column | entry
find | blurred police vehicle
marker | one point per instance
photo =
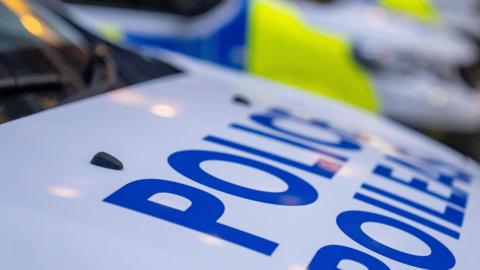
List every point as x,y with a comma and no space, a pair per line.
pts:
349,50
463,15
143,163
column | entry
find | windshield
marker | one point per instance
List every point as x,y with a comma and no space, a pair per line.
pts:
46,61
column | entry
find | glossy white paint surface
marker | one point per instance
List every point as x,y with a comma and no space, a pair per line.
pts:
53,216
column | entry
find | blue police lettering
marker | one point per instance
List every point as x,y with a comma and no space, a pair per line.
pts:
388,207
188,162
457,196
433,164
329,258
288,141
206,209
426,171
448,169
450,214
202,215
321,167
440,257
269,120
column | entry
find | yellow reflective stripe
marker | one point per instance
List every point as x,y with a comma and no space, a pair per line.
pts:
284,48
420,9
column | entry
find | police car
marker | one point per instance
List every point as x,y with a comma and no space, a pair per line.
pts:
388,64
142,163
462,15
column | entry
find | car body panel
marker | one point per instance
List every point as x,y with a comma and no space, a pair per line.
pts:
52,200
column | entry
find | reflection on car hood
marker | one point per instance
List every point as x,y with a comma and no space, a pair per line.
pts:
289,167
